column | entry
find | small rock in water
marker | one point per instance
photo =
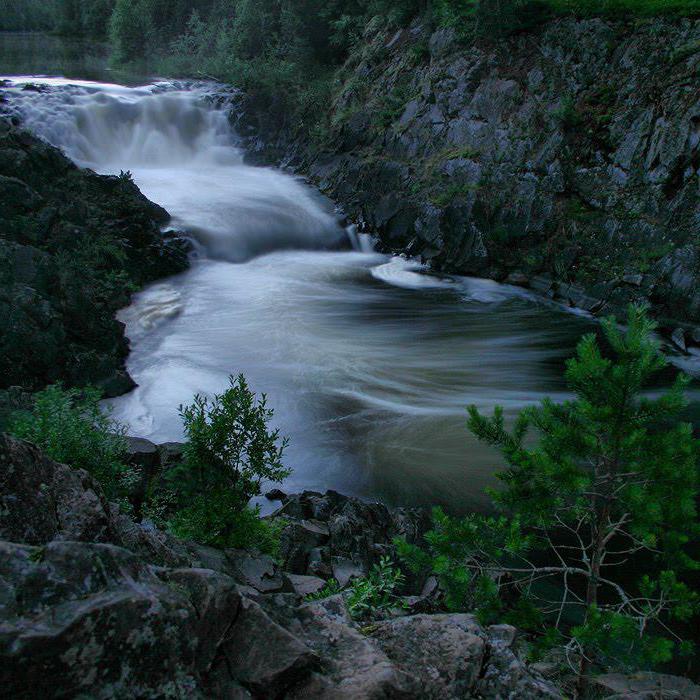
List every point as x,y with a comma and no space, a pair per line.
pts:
519,279
678,339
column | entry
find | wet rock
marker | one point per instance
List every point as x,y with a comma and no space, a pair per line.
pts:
678,339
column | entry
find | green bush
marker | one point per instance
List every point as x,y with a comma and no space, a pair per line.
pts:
331,588
377,592
229,453
70,427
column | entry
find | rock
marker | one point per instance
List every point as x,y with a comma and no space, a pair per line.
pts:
634,279
297,541
305,585
142,614
354,666
344,570
91,619
276,495
644,686
42,500
457,651
51,208
170,454
145,457
452,656
259,572
143,453
264,657
678,339
518,278
217,601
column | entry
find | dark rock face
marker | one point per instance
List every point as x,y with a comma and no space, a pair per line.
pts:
334,535
74,245
571,151
95,605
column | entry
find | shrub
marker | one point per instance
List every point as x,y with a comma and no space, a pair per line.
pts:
230,452
331,588
376,593
70,427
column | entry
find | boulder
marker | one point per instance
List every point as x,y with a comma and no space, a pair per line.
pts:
265,657
42,500
643,686
91,619
305,585
259,572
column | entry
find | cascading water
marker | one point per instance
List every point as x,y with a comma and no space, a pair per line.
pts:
368,362
179,146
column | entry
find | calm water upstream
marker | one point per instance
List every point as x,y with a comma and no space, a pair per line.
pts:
368,362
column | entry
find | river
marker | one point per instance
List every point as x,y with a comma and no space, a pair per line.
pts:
368,361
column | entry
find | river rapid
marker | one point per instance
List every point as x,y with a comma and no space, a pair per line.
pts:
368,361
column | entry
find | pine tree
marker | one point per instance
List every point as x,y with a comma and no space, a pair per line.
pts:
612,481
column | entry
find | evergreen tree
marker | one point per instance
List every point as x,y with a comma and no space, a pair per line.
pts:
611,481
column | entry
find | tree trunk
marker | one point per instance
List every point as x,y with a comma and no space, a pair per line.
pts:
592,592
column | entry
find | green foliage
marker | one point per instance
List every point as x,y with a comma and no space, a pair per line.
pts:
81,18
219,520
27,15
331,588
612,477
230,452
70,427
568,114
377,592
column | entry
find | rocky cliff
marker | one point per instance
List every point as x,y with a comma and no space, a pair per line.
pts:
74,246
565,158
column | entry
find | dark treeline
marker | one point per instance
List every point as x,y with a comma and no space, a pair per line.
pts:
81,18
27,15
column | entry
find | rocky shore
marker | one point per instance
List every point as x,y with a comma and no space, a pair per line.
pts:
95,604
74,246
564,158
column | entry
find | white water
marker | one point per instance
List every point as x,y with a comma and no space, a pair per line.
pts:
368,362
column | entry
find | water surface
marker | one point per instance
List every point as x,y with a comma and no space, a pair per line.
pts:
368,362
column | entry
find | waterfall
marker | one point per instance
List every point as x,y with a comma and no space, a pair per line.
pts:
178,144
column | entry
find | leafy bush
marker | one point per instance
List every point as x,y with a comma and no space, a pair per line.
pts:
230,452
376,593
613,478
331,588
70,427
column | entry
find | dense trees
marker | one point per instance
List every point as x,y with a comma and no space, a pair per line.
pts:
29,15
